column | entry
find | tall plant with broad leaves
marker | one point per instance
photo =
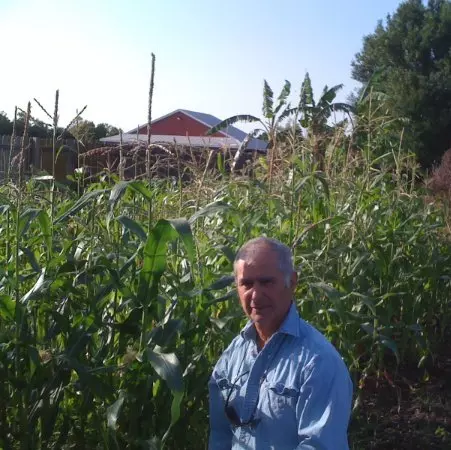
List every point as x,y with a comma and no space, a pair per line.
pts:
314,116
269,124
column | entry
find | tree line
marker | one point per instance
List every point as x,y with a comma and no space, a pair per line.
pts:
85,131
405,64
404,71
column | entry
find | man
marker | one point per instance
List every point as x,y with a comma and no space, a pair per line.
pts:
280,384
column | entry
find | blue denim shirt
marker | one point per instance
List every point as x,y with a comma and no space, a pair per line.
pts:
297,388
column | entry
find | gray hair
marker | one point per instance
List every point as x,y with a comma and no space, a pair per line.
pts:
285,258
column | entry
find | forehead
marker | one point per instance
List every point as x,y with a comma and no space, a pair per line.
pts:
264,262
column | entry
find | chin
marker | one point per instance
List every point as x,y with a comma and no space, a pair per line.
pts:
260,319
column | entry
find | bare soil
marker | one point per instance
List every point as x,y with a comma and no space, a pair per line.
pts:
410,410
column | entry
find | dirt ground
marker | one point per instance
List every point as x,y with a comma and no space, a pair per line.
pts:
409,410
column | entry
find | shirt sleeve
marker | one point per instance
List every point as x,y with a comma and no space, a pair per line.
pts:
220,430
324,405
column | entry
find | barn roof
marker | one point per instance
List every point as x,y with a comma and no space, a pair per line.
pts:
189,141
211,121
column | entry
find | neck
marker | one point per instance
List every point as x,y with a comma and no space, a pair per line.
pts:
263,335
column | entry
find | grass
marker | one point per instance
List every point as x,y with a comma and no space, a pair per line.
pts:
116,297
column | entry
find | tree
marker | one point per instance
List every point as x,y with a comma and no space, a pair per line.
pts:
104,130
273,117
6,126
314,116
409,60
87,132
84,131
36,128
311,116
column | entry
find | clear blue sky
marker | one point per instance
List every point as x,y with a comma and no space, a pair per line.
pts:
211,56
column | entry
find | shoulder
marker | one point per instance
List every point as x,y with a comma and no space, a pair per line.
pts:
319,355
232,353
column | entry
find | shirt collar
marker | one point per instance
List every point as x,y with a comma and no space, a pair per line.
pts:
291,325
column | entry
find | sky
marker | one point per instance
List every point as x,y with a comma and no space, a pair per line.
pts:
211,56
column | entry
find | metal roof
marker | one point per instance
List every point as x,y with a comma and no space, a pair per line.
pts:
190,141
211,121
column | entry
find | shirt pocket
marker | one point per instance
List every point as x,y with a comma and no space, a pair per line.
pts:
224,385
282,399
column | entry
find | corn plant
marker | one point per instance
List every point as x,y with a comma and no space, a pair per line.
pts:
111,320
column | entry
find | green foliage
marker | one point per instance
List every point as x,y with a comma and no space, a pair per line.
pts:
6,126
408,59
314,117
37,128
273,118
102,130
85,131
110,323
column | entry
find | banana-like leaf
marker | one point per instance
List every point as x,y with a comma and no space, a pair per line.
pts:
288,112
329,94
268,101
285,92
282,99
306,95
242,148
342,107
247,118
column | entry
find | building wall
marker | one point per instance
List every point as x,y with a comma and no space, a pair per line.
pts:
179,124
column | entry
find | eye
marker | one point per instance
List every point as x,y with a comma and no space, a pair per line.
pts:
247,284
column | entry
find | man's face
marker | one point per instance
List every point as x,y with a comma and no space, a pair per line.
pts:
262,291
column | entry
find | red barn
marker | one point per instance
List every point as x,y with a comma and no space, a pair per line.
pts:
189,128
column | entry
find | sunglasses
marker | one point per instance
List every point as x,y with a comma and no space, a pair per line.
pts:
231,413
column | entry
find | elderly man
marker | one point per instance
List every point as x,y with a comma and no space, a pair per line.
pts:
280,384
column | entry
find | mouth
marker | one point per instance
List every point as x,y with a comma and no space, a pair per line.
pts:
260,309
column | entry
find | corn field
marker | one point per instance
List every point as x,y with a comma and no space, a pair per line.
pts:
117,297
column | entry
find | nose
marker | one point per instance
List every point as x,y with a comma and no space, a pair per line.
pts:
256,292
